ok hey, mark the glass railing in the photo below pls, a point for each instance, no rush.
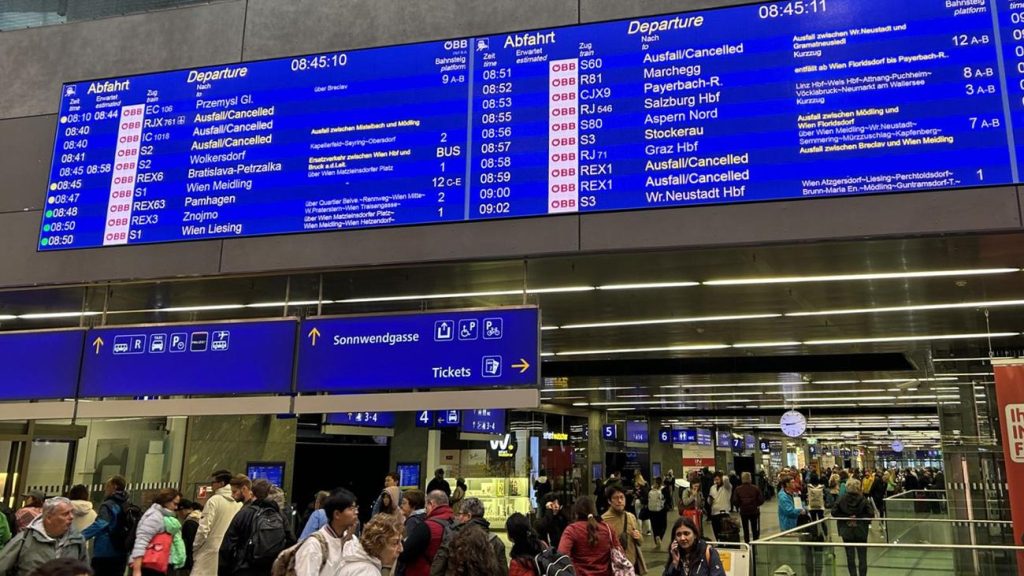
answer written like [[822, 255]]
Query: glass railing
[[934, 504], [894, 546]]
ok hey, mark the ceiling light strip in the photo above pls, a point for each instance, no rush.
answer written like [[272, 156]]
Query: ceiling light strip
[[854, 277]]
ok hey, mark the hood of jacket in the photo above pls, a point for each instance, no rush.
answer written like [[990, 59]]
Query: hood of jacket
[[353, 553], [443, 511], [395, 494], [39, 533], [81, 507], [850, 504], [480, 522]]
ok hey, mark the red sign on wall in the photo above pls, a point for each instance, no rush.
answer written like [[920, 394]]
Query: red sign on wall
[[698, 462], [1010, 397]]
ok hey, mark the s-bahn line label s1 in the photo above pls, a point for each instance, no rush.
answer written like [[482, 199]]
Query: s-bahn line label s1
[[214, 359], [40, 364], [771, 101], [454, 349]]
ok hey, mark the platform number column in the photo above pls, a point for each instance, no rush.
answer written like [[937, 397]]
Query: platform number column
[[563, 136], [122, 185]]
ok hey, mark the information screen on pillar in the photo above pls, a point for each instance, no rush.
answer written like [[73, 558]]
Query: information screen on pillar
[[771, 101]]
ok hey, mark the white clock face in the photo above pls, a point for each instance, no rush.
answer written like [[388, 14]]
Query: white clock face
[[793, 423], [897, 446]]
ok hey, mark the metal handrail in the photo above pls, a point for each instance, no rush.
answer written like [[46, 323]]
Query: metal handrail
[[803, 528]]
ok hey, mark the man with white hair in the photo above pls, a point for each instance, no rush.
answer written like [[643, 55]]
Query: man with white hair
[[49, 536]]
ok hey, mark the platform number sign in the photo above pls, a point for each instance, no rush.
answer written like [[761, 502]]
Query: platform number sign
[[665, 435], [609, 431]]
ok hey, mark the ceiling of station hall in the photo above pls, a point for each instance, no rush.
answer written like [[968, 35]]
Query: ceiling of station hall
[[717, 335]]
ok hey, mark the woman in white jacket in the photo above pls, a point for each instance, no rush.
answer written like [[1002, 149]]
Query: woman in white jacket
[[165, 503], [378, 546]]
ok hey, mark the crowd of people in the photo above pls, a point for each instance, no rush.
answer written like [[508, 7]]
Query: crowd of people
[[242, 529]]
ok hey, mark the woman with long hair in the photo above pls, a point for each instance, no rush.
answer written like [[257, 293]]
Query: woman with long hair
[[471, 553], [689, 554], [587, 541], [525, 546]]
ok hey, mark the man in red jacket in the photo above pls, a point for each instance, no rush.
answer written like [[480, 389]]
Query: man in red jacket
[[424, 540]]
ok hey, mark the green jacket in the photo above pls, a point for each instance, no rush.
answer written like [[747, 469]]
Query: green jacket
[[5, 531], [30, 548]]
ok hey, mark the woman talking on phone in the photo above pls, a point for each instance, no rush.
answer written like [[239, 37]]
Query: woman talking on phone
[[689, 554]]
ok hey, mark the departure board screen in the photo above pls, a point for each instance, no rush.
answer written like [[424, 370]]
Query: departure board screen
[[771, 101]]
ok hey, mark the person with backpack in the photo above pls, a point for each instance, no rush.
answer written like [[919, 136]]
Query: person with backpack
[[816, 500], [49, 536], [588, 541], [321, 553], [471, 517], [218, 512], [113, 531], [658, 511], [690, 554], [256, 535], [422, 544], [525, 546], [853, 513], [152, 525]]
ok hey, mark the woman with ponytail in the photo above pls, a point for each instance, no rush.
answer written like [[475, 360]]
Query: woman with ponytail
[[587, 541]]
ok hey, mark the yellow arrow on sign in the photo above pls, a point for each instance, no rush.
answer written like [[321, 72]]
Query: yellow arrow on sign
[[523, 365], [313, 335], [98, 343]]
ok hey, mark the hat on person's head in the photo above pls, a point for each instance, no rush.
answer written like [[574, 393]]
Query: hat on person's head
[[37, 494]]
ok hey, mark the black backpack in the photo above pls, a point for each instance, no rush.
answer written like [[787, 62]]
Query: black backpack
[[123, 534], [551, 562], [267, 539]]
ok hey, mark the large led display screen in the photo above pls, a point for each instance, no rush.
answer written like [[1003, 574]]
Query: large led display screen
[[784, 100]]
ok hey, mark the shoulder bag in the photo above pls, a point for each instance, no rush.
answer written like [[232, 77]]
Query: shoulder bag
[[621, 566]]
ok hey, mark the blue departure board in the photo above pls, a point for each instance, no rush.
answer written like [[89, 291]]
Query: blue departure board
[[703, 437], [212, 359], [771, 101], [40, 364], [487, 347]]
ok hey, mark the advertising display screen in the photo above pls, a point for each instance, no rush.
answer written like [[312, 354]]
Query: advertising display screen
[[770, 101]]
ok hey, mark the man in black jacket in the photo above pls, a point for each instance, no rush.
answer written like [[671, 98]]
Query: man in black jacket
[[236, 550], [439, 483]]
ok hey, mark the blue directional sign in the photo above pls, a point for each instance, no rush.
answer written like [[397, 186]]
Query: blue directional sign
[[703, 437], [40, 364], [453, 349], [483, 421], [201, 359], [368, 419], [636, 431], [609, 431], [438, 418]]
